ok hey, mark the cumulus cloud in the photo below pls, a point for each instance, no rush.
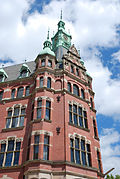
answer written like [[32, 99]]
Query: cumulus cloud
[[110, 150], [116, 56]]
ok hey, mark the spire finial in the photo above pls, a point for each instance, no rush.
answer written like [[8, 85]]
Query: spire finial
[[48, 34], [61, 15]]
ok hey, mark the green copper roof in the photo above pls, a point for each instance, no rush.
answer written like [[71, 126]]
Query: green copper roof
[[2, 72], [47, 47], [82, 62]]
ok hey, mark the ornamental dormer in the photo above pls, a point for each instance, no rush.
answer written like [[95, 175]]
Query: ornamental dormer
[[24, 71], [3, 75]]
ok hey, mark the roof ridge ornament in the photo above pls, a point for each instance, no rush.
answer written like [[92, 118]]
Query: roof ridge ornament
[[61, 15], [48, 34]]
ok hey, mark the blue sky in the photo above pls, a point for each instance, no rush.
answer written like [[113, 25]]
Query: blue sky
[[95, 29]]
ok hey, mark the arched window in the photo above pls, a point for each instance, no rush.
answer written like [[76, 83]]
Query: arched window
[[82, 94], [69, 87], [27, 91], [48, 82], [43, 62], [49, 63], [75, 90], [41, 81], [13, 93], [20, 92]]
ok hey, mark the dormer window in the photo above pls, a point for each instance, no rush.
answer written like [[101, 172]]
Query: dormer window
[[3, 75], [24, 71]]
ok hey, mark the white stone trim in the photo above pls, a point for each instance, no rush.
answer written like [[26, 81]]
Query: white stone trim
[[42, 132]]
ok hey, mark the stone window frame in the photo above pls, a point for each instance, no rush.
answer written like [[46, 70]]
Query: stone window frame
[[87, 153], [46, 146], [48, 109], [39, 107], [36, 146], [12, 109], [49, 82], [71, 115], [6, 142]]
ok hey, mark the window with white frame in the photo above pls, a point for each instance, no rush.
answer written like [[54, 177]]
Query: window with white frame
[[36, 146], [80, 152], [39, 108], [77, 116], [15, 117], [46, 148], [9, 153], [48, 110], [20, 92], [13, 93]]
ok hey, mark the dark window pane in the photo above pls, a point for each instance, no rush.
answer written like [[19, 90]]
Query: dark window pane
[[74, 108], [71, 142], [76, 143], [1, 78], [70, 117], [39, 103], [69, 86], [13, 93], [46, 153], [72, 155], [82, 145], [85, 123], [8, 120], [91, 102], [84, 114], [27, 91], [48, 104], [16, 111], [10, 145], [8, 159], [77, 156], [9, 113], [41, 81], [89, 159], [80, 111], [88, 147], [75, 90], [3, 147], [46, 139], [75, 119], [14, 122], [81, 121], [36, 151], [77, 72], [36, 139], [39, 110], [23, 111], [83, 158], [21, 121], [18, 144], [16, 158], [20, 92], [82, 94], [1, 159], [70, 107], [48, 82], [72, 69], [1, 95]]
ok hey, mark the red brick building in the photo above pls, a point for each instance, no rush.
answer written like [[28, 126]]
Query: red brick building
[[48, 124]]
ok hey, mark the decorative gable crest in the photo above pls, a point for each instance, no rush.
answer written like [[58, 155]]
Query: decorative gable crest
[[74, 51]]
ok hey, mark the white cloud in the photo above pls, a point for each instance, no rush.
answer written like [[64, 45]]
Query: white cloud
[[110, 150], [116, 56]]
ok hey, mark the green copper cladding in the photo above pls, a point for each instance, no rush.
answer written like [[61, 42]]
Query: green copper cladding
[[47, 47], [61, 38]]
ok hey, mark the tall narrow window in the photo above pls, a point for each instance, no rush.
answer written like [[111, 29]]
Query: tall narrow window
[[72, 69], [80, 116], [41, 82], [99, 161], [32, 113], [75, 115], [17, 153], [72, 150], [77, 151], [48, 109], [39, 109], [46, 148], [20, 92], [36, 146], [1, 95], [48, 82], [77, 71], [13, 94], [27, 91], [83, 153], [85, 119], [69, 87], [88, 154], [95, 128], [2, 153], [70, 113], [91, 102], [43, 62], [82, 94], [75, 90], [49, 63]]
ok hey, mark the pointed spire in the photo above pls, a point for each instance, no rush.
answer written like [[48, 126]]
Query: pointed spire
[[61, 15]]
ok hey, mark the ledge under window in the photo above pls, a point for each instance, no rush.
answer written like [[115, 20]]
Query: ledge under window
[[79, 127], [40, 120], [12, 129]]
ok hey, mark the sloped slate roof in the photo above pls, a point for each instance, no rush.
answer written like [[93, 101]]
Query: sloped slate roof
[[13, 71]]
